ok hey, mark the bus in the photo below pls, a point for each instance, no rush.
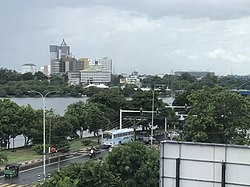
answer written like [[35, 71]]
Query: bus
[[115, 137]]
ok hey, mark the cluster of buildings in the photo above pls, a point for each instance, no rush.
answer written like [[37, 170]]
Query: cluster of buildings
[[78, 71], [86, 71]]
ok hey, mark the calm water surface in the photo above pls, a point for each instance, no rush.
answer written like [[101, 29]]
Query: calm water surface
[[58, 104]]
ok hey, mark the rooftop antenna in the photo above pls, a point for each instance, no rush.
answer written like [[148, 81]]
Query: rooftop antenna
[[63, 43]]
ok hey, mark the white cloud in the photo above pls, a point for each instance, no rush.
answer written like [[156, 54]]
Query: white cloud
[[228, 56], [174, 34]]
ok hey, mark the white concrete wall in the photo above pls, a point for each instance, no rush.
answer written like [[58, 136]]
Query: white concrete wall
[[201, 164]]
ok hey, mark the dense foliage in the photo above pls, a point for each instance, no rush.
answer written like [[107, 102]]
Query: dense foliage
[[17, 84], [217, 116], [130, 165]]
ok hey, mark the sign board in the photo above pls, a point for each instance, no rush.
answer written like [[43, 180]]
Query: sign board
[[186, 164]]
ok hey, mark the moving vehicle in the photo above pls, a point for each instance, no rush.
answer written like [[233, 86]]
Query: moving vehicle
[[92, 153], [11, 170], [143, 136], [173, 135], [116, 137]]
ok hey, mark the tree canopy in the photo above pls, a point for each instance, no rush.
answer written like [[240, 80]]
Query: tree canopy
[[137, 165], [217, 116], [130, 165]]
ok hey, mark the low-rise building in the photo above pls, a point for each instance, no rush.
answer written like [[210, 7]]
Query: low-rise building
[[134, 80], [26, 68], [196, 74], [95, 75], [73, 77]]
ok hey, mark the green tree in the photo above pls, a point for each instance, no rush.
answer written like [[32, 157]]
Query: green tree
[[111, 98], [29, 123], [87, 174], [217, 116], [58, 131], [129, 90], [90, 91], [131, 165], [33, 129], [150, 81], [8, 75], [95, 117], [181, 99], [208, 81], [40, 76], [75, 114], [27, 76], [9, 127], [60, 182], [137, 165], [143, 99]]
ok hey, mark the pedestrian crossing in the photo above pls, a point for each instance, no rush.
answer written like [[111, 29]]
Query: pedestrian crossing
[[11, 185]]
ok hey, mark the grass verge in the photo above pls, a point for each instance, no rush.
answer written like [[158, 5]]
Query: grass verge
[[26, 153]]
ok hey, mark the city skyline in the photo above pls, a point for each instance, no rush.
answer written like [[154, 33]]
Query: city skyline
[[152, 37]]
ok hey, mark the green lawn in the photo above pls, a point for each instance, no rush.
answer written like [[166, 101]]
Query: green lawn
[[78, 145], [26, 153], [21, 154]]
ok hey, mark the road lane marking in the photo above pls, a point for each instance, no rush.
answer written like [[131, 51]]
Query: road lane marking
[[10, 185]]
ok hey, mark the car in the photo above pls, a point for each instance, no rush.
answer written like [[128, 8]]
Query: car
[[143, 136], [173, 135], [11, 170]]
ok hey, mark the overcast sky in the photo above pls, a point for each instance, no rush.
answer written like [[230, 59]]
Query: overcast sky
[[150, 36]]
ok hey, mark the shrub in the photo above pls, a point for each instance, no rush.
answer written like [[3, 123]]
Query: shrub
[[63, 146], [38, 148]]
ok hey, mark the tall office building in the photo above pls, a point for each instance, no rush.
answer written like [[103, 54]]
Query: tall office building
[[85, 62], [59, 58]]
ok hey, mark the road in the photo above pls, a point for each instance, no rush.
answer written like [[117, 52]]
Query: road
[[30, 176]]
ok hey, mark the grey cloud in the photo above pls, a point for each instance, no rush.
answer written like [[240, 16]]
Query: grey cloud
[[213, 9]]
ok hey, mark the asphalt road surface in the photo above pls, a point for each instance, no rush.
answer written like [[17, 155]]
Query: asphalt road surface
[[29, 176]]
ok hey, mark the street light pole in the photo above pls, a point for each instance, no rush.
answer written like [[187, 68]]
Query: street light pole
[[44, 152], [152, 123], [44, 142]]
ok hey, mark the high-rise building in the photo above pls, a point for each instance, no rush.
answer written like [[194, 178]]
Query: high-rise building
[[59, 56]]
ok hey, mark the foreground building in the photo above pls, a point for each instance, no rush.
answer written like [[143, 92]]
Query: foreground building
[[189, 164]]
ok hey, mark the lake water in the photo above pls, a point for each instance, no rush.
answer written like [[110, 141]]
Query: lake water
[[58, 105]]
